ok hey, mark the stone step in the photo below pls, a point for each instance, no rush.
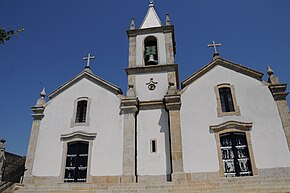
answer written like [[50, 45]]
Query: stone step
[[263, 184]]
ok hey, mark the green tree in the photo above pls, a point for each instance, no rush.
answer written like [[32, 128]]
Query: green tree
[[6, 35]]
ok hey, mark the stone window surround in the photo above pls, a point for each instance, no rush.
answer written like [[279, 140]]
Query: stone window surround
[[143, 49], [73, 120], [74, 137], [228, 127], [220, 113]]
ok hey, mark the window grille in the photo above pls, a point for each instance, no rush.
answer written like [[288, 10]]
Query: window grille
[[235, 155], [76, 162]]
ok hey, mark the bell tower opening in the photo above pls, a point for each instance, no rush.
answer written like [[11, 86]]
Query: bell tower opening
[[150, 51]]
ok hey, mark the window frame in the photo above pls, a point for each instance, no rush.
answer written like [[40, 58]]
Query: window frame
[[74, 137], [87, 121], [234, 156], [233, 127], [220, 112]]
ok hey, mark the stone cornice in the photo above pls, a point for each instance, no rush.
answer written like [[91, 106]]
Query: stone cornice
[[280, 96], [148, 105], [278, 91], [129, 105], [162, 29], [231, 125], [37, 112], [225, 63], [172, 102], [78, 134], [278, 87], [152, 69]]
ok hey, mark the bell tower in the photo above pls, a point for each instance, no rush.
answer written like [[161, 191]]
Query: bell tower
[[151, 53], [152, 43], [152, 140]]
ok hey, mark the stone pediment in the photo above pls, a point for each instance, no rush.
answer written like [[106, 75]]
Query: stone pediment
[[225, 63], [151, 19], [87, 73]]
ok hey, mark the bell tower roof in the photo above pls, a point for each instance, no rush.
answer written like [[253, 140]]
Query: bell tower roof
[[151, 19]]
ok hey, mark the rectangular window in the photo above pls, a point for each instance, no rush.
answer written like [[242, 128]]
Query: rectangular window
[[235, 154], [81, 111], [226, 99], [153, 146], [76, 162]]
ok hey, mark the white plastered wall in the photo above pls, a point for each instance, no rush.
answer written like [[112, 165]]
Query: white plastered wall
[[153, 125], [198, 113], [160, 47], [142, 91], [107, 149]]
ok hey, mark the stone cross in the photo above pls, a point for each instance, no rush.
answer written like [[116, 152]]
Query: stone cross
[[214, 45], [88, 60]]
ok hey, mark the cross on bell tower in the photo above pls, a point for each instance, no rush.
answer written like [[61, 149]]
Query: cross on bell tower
[[88, 60], [214, 45]]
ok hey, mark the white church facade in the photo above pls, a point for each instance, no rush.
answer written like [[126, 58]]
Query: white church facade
[[223, 129]]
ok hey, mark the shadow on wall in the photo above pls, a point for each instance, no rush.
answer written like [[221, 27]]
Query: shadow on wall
[[164, 128]]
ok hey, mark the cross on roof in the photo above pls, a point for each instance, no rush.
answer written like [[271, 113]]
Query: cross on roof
[[88, 59], [214, 45]]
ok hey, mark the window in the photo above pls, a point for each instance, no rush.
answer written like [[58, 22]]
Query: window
[[234, 147], [235, 154], [76, 159], [226, 100], [150, 51], [76, 162], [153, 146], [81, 111]]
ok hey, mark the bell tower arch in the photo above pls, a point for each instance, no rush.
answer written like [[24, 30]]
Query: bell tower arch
[[150, 51]]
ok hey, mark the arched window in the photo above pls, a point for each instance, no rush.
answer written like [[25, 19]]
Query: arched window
[[76, 162], [81, 111], [226, 99], [235, 154], [150, 51]]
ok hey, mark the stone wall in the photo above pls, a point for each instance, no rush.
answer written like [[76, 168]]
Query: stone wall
[[267, 181]]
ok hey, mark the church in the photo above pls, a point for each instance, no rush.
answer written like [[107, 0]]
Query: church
[[223, 129]]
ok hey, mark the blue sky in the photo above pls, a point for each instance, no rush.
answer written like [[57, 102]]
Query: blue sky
[[58, 34]]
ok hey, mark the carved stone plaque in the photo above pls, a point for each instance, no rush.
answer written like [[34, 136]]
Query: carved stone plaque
[[151, 84]]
